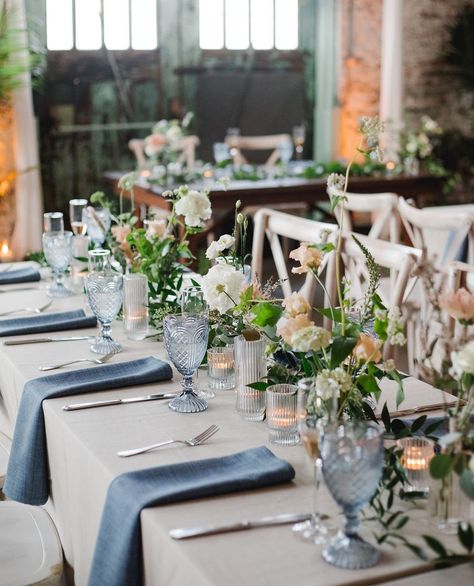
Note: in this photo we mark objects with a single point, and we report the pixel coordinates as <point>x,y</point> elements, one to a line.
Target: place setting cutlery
<point>28,309</point>
<point>194,441</point>
<point>272,521</point>
<point>44,340</point>
<point>124,401</point>
<point>14,289</point>
<point>100,360</point>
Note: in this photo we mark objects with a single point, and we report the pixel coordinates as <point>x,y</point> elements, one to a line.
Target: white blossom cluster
<point>331,383</point>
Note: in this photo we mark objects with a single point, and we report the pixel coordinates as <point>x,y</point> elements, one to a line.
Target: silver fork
<point>29,309</point>
<point>194,441</point>
<point>100,360</point>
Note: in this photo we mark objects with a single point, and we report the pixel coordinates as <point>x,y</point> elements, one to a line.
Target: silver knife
<point>76,406</point>
<point>41,340</point>
<point>284,519</point>
<point>13,289</point>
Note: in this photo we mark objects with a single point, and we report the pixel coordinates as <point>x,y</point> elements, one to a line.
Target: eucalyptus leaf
<point>466,481</point>
<point>441,465</point>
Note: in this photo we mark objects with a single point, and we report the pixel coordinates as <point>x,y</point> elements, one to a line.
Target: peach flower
<point>120,233</point>
<point>296,304</point>
<point>154,143</point>
<point>156,228</point>
<point>459,305</point>
<point>308,257</point>
<point>368,348</point>
<point>287,326</point>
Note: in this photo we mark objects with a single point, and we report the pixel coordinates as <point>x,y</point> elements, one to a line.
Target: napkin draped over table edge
<point>46,322</point>
<point>27,473</point>
<point>118,553</point>
<point>21,275</point>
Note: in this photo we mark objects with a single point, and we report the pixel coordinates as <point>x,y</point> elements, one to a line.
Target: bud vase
<point>250,367</point>
<point>449,504</point>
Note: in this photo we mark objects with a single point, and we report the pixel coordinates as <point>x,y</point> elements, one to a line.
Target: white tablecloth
<point>82,448</point>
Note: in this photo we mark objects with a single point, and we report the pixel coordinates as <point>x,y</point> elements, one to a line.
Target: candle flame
<point>5,249</point>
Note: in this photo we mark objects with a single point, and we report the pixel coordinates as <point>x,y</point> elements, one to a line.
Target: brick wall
<point>427,88</point>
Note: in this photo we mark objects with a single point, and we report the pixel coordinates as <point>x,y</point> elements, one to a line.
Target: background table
<point>82,448</point>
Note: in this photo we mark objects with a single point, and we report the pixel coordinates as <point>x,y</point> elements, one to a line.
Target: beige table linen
<point>82,448</point>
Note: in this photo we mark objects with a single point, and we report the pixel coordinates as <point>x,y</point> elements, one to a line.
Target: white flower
<point>214,250</point>
<point>380,314</point>
<point>310,338</point>
<point>463,360</point>
<point>336,181</point>
<point>398,339</point>
<point>332,382</point>
<point>174,134</point>
<point>388,365</point>
<point>195,207</point>
<point>221,287</point>
<point>156,228</point>
<point>395,327</point>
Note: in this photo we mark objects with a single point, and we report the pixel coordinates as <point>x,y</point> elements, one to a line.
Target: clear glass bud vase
<point>449,504</point>
<point>250,367</point>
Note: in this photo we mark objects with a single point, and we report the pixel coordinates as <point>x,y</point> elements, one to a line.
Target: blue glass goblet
<point>352,455</point>
<point>185,339</point>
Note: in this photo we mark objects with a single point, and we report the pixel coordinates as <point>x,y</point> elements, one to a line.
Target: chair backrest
<point>442,233</point>
<point>460,274</point>
<point>398,259</point>
<point>267,142</point>
<point>273,225</point>
<point>381,206</point>
<point>186,146</point>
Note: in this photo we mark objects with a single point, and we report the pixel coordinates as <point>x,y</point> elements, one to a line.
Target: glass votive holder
<point>135,306</point>
<point>53,222</point>
<point>79,262</point>
<point>417,453</point>
<point>220,368</point>
<point>281,414</point>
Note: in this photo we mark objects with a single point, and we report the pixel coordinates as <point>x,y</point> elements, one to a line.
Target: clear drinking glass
<point>221,152</point>
<point>98,223</point>
<point>285,152</point>
<point>299,136</point>
<point>105,293</point>
<point>352,455</point>
<point>313,413</point>
<point>135,306</point>
<point>79,262</point>
<point>57,248</point>
<point>185,339</point>
<point>220,368</point>
<point>53,222</point>
<point>232,136</point>
<point>281,414</point>
<point>76,217</point>
<point>250,367</point>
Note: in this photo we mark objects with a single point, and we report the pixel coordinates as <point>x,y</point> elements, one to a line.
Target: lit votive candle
<point>6,253</point>
<point>135,306</point>
<point>281,414</point>
<point>220,368</point>
<point>417,453</point>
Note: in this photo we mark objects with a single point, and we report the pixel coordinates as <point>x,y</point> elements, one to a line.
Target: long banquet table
<point>82,448</point>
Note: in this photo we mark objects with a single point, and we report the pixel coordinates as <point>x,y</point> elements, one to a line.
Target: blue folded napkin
<point>46,322</point>
<point>117,557</point>
<point>23,275</point>
<point>27,473</point>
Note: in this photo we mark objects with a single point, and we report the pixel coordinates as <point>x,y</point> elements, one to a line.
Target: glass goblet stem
<point>318,527</point>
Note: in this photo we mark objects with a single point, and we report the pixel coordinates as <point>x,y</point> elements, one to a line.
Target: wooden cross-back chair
<point>186,147</point>
<point>460,274</point>
<point>267,142</point>
<point>399,259</point>
<point>382,208</point>
<point>272,225</point>
<point>452,230</point>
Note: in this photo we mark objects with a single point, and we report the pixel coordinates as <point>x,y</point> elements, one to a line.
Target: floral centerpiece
<point>417,148</point>
<point>163,148</point>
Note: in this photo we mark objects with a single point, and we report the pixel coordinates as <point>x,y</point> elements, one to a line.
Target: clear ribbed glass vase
<point>135,306</point>
<point>250,367</point>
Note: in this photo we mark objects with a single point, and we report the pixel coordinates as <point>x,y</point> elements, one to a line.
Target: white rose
<point>195,207</point>
<point>156,228</point>
<point>310,338</point>
<point>173,134</point>
<point>221,287</point>
<point>463,360</point>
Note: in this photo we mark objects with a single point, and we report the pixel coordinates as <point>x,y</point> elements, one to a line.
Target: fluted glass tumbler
<point>105,294</point>
<point>352,455</point>
<point>250,367</point>
<point>57,248</point>
<point>185,338</point>
<point>135,306</point>
<point>281,414</point>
